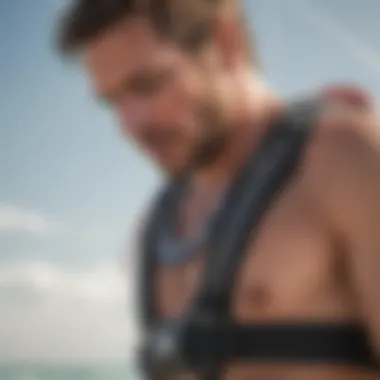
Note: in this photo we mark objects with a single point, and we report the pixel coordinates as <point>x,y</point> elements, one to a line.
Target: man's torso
<point>293,271</point>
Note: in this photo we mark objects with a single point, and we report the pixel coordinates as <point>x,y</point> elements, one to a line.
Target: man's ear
<point>228,42</point>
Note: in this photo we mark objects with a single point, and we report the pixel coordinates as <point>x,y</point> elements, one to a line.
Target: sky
<point>72,189</point>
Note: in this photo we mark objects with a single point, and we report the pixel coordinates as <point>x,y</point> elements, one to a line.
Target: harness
<point>206,337</point>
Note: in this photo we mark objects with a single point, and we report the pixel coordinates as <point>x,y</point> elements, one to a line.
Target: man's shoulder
<point>344,152</point>
<point>344,135</point>
<point>347,113</point>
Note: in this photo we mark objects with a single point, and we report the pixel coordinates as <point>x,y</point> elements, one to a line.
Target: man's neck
<point>262,106</point>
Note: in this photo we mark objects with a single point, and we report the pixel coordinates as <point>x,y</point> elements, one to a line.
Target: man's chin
<point>171,168</point>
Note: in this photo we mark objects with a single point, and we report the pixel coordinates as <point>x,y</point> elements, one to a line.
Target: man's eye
<point>149,85</point>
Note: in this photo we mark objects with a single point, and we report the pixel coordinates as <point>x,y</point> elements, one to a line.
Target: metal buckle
<point>160,353</point>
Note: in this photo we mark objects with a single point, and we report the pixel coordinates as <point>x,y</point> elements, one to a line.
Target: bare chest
<point>285,265</point>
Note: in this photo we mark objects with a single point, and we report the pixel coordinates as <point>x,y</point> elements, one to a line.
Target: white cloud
<point>51,314</point>
<point>48,314</point>
<point>14,218</point>
<point>17,219</point>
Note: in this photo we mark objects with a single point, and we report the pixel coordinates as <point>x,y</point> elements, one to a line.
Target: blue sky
<point>71,188</point>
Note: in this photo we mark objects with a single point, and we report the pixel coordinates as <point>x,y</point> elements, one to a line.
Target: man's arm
<point>351,172</point>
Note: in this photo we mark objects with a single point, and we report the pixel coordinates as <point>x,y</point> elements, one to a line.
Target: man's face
<point>164,98</point>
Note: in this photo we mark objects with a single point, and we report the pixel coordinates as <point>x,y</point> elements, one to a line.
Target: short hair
<point>186,22</point>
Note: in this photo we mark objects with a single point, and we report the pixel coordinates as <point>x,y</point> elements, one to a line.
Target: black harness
<point>206,337</point>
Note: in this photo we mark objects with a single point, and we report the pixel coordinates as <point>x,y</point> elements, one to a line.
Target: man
<point>181,78</point>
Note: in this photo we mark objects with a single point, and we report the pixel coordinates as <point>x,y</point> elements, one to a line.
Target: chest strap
<point>290,343</point>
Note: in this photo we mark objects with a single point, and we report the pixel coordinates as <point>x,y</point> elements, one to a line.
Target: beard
<point>203,149</point>
<point>213,137</point>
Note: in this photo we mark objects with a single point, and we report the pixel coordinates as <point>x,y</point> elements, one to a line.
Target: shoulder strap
<point>257,186</point>
<point>147,256</point>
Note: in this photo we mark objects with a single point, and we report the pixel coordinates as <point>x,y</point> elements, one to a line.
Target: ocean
<point>34,372</point>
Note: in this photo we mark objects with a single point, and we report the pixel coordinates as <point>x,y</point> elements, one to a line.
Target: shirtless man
<point>184,84</point>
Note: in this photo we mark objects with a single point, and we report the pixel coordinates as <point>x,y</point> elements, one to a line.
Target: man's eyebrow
<point>138,75</point>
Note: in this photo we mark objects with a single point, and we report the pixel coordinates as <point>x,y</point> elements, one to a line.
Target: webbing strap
<point>147,258</point>
<point>257,186</point>
<point>283,343</point>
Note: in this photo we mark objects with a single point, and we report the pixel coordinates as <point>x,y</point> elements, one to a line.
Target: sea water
<point>40,372</point>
